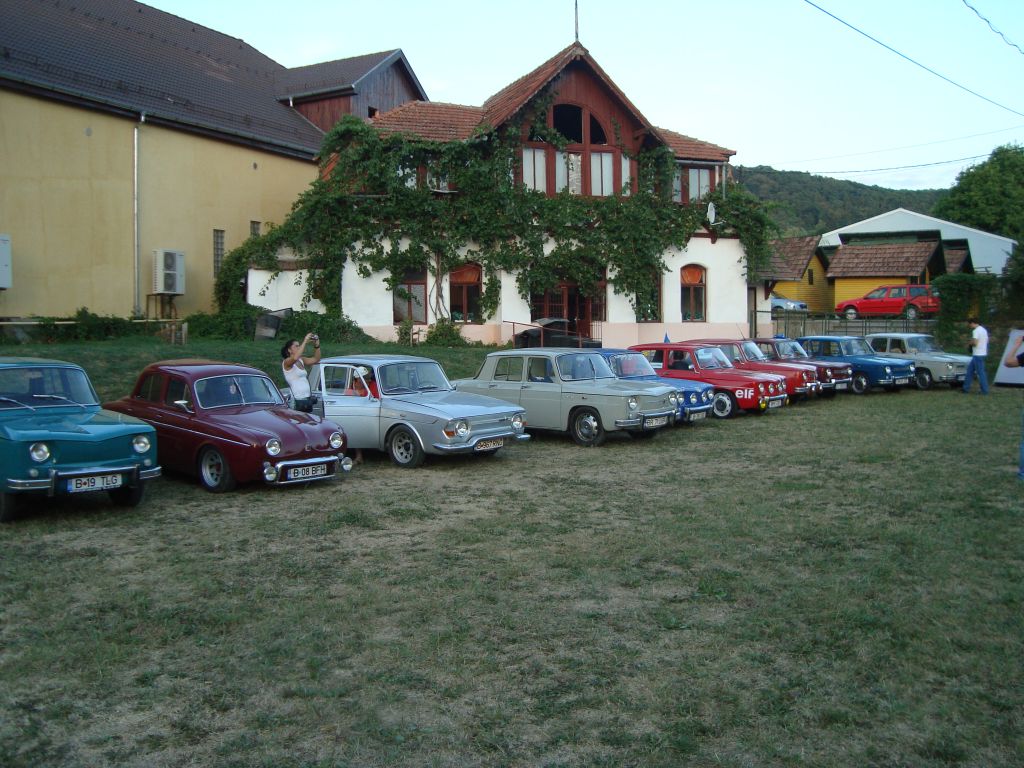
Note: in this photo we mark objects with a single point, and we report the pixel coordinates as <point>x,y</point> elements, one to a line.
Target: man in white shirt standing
<point>979,349</point>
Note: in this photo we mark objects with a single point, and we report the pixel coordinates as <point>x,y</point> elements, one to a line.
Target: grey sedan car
<point>933,364</point>
<point>406,406</point>
<point>574,391</point>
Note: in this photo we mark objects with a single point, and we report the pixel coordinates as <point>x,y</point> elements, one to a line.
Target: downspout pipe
<point>136,230</point>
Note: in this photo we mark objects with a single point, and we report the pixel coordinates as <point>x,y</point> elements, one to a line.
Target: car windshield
<point>712,357</point>
<point>856,347</point>
<point>632,364</point>
<point>584,365</point>
<point>412,376</point>
<point>791,348</point>
<point>752,352</point>
<point>923,344</point>
<point>237,389</point>
<point>45,386</point>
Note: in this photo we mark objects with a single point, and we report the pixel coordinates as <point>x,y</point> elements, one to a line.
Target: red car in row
<point>735,389</point>
<point>801,379</point>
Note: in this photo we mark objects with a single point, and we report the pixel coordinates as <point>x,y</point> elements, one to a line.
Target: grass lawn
<point>836,584</point>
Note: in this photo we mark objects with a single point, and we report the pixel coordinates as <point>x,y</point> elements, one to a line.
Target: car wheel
<point>850,313</point>
<point>860,384</point>
<point>128,496</point>
<point>586,429</point>
<point>723,405</point>
<point>214,472</point>
<point>404,449</point>
<point>7,505</point>
<point>911,312</point>
<point>924,378</point>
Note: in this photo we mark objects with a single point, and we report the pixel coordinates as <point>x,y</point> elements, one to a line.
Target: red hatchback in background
<point>895,300</point>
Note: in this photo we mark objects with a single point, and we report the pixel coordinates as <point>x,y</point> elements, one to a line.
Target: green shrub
<point>445,333</point>
<point>238,322</point>
<point>405,329</point>
<point>332,329</point>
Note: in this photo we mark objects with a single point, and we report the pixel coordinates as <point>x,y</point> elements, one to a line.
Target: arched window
<point>409,299</point>
<point>693,296</point>
<point>466,288</point>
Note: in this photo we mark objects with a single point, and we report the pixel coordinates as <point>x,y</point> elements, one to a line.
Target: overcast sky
<point>780,81</point>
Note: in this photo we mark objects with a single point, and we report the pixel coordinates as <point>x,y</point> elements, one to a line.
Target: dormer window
<point>588,164</point>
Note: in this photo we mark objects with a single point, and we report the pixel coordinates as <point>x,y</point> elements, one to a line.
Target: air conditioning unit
<point>168,272</point>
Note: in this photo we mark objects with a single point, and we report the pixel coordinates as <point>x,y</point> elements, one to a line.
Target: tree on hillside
<point>990,197</point>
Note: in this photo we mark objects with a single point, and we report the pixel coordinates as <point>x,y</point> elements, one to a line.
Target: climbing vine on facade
<point>378,205</point>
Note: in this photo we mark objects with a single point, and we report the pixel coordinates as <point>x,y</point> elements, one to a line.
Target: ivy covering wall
<point>369,209</point>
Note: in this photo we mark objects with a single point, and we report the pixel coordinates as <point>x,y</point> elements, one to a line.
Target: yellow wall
<point>66,187</point>
<point>818,296</point>
<point>853,288</point>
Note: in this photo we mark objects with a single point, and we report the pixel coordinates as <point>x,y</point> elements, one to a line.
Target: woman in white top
<point>293,365</point>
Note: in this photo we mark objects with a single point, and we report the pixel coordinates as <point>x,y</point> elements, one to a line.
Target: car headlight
<point>140,443</point>
<point>888,370</point>
<point>336,440</point>
<point>673,399</point>
<point>517,422</point>
<point>913,368</point>
<point>39,452</point>
<point>456,428</point>
<point>693,398</point>
<point>632,403</point>
<point>760,388</point>
<point>273,446</point>
<point>828,373</point>
<point>949,366</point>
<point>709,395</point>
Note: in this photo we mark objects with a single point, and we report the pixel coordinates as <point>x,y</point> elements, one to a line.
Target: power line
<point>1005,39</point>
<point>902,167</point>
<point>912,61</point>
<point>897,149</point>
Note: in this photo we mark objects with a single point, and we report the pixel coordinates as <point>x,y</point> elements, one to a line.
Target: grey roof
<point>340,75</point>
<point>127,57</point>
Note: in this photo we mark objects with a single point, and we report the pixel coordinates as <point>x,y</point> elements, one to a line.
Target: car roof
<point>195,368</point>
<point>897,335</point>
<point>376,359</point>
<point>543,351</point>
<point>20,362</point>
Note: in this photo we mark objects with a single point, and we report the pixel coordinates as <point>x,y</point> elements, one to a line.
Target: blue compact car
<point>695,397</point>
<point>869,369</point>
<point>55,440</point>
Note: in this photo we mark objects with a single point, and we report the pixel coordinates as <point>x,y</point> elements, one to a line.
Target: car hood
<point>683,385</point>
<point>276,421</point>
<point>450,404</point>
<point>68,424</point>
<point>624,387</point>
<point>874,360</point>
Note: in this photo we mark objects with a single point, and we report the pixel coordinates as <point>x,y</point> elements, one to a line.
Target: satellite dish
<point>711,213</point>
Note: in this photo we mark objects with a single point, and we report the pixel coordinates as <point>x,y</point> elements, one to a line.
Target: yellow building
<point>132,138</point>
<point>799,271</point>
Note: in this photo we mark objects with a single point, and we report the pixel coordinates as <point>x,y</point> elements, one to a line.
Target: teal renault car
<point>55,440</point>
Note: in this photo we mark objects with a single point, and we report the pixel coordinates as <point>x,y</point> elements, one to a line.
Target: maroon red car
<point>229,424</point>
<point>801,380</point>
<point>735,390</point>
<point>832,376</point>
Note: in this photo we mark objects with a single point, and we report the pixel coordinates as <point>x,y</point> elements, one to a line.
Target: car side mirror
<point>184,405</point>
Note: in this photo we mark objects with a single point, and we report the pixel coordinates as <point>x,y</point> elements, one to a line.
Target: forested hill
<point>809,205</point>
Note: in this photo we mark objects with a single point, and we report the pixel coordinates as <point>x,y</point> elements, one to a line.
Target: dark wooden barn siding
<point>384,91</point>
<point>324,113</point>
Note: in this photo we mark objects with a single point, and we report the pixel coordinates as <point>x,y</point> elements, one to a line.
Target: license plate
<point>489,445</point>
<point>902,381</point>
<point>841,386</point>
<point>657,421</point>
<point>774,403</point>
<point>94,483</point>
<point>698,416</point>
<point>316,470</point>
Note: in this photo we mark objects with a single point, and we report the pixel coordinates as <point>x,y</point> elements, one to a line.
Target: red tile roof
<point>687,148</point>
<point>790,257</point>
<point>882,259</point>
<point>431,120</point>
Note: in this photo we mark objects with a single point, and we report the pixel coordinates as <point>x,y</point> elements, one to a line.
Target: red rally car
<point>801,379</point>
<point>735,390</point>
